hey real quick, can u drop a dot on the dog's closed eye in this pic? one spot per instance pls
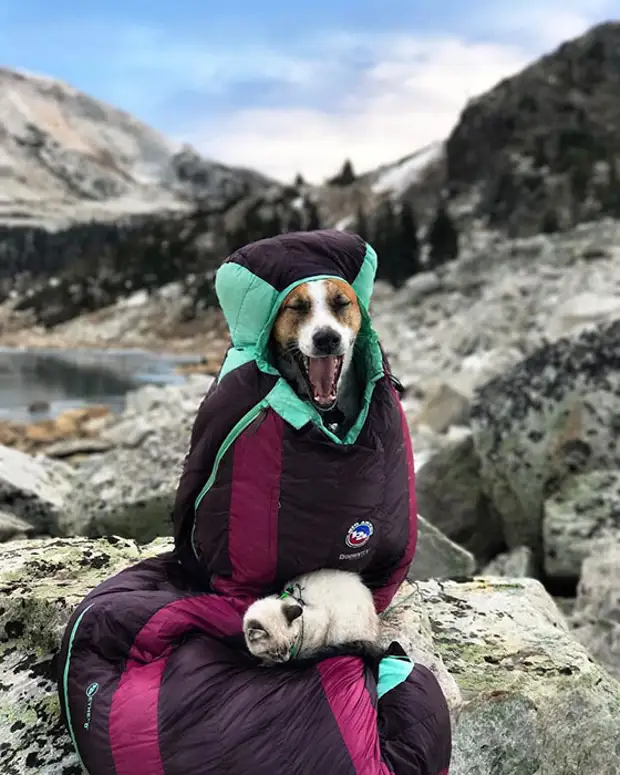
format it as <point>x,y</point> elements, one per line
<point>340,302</point>
<point>298,305</point>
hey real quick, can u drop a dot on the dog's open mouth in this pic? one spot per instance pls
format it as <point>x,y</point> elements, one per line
<point>322,376</point>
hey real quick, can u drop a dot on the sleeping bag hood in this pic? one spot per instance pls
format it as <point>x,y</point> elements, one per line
<point>268,490</point>
<point>252,284</point>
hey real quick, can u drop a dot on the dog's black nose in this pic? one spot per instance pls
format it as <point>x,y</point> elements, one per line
<point>326,341</point>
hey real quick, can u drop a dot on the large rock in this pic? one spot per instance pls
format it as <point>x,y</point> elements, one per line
<point>12,527</point>
<point>556,413</point>
<point>583,511</point>
<point>438,557</point>
<point>526,698</point>
<point>582,310</point>
<point>130,490</point>
<point>514,149</point>
<point>450,496</point>
<point>515,564</point>
<point>41,581</point>
<point>443,406</point>
<point>534,701</point>
<point>34,490</point>
<point>596,615</point>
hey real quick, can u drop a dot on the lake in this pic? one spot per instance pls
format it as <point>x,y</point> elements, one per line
<point>50,381</point>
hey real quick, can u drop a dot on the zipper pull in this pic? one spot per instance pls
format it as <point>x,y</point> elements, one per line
<point>397,384</point>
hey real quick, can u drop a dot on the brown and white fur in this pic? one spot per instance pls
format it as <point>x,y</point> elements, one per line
<point>326,610</point>
<point>313,339</point>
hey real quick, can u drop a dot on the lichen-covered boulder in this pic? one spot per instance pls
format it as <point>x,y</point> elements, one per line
<point>535,703</point>
<point>581,514</point>
<point>525,696</point>
<point>553,415</point>
<point>41,581</point>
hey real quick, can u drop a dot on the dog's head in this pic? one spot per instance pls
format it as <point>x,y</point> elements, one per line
<point>314,335</point>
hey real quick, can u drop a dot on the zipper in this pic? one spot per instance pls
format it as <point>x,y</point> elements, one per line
<point>236,431</point>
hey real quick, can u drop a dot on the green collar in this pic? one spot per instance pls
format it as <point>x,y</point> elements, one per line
<point>290,592</point>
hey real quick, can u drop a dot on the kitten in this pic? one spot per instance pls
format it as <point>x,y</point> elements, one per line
<point>319,614</point>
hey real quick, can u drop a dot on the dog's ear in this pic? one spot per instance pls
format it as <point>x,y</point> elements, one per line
<point>255,631</point>
<point>292,612</point>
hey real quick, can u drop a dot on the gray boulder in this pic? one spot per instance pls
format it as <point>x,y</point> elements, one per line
<point>533,700</point>
<point>516,564</point>
<point>130,490</point>
<point>12,527</point>
<point>596,615</point>
<point>443,407</point>
<point>583,511</point>
<point>438,557</point>
<point>450,496</point>
<point>556,413</point>
<point>34,490</point>
<point>525,696</point>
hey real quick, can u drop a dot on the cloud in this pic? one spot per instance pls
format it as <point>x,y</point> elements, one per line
<point>411,94</point>
<point>544,24</point>
<point>307,102</point>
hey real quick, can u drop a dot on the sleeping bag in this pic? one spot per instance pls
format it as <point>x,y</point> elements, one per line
<point>155,677</point>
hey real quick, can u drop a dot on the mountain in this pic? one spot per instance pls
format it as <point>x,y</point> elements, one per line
<point>65,157</point>
<point>94,203</point>
<point>540,151</point>
<point>97,206</point>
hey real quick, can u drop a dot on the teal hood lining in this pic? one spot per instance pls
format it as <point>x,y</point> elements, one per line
<point>245,297</point>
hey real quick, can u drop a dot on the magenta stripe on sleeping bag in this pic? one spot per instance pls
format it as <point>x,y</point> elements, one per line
<point>351,705</point>
<point>254,505</point>
<point>133,725</point>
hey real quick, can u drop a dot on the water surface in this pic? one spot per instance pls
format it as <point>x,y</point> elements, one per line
<point>37,384</point>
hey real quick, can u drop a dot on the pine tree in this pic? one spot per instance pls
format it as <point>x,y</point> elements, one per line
<point>314,219</point>
<point>385,242</point>
<point>550,222</point>
<point>272,225</point>
<point>295,222</point>
<point>408,248</point>
<point>442,238</point>
<point>361,224</point>
<point>610,196</point>
<point>345,177</point>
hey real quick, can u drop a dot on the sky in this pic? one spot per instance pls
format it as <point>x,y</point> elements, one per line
<point>287,86</point>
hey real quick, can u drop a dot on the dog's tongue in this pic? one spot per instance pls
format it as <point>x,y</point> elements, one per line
<point>322,375</point>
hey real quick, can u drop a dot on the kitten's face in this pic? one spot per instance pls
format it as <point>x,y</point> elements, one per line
<point>271,627</point>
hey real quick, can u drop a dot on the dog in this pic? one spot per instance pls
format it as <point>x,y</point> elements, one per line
<point>313,339</point>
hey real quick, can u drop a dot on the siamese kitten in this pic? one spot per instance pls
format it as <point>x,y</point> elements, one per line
<point>319,614</point>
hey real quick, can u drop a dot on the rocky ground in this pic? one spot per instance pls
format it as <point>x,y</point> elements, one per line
<point>500,649</point>
<point>511,363</point>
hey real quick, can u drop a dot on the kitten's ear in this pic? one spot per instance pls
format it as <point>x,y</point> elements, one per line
<point>292,612</point>
<point>255,631</point>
